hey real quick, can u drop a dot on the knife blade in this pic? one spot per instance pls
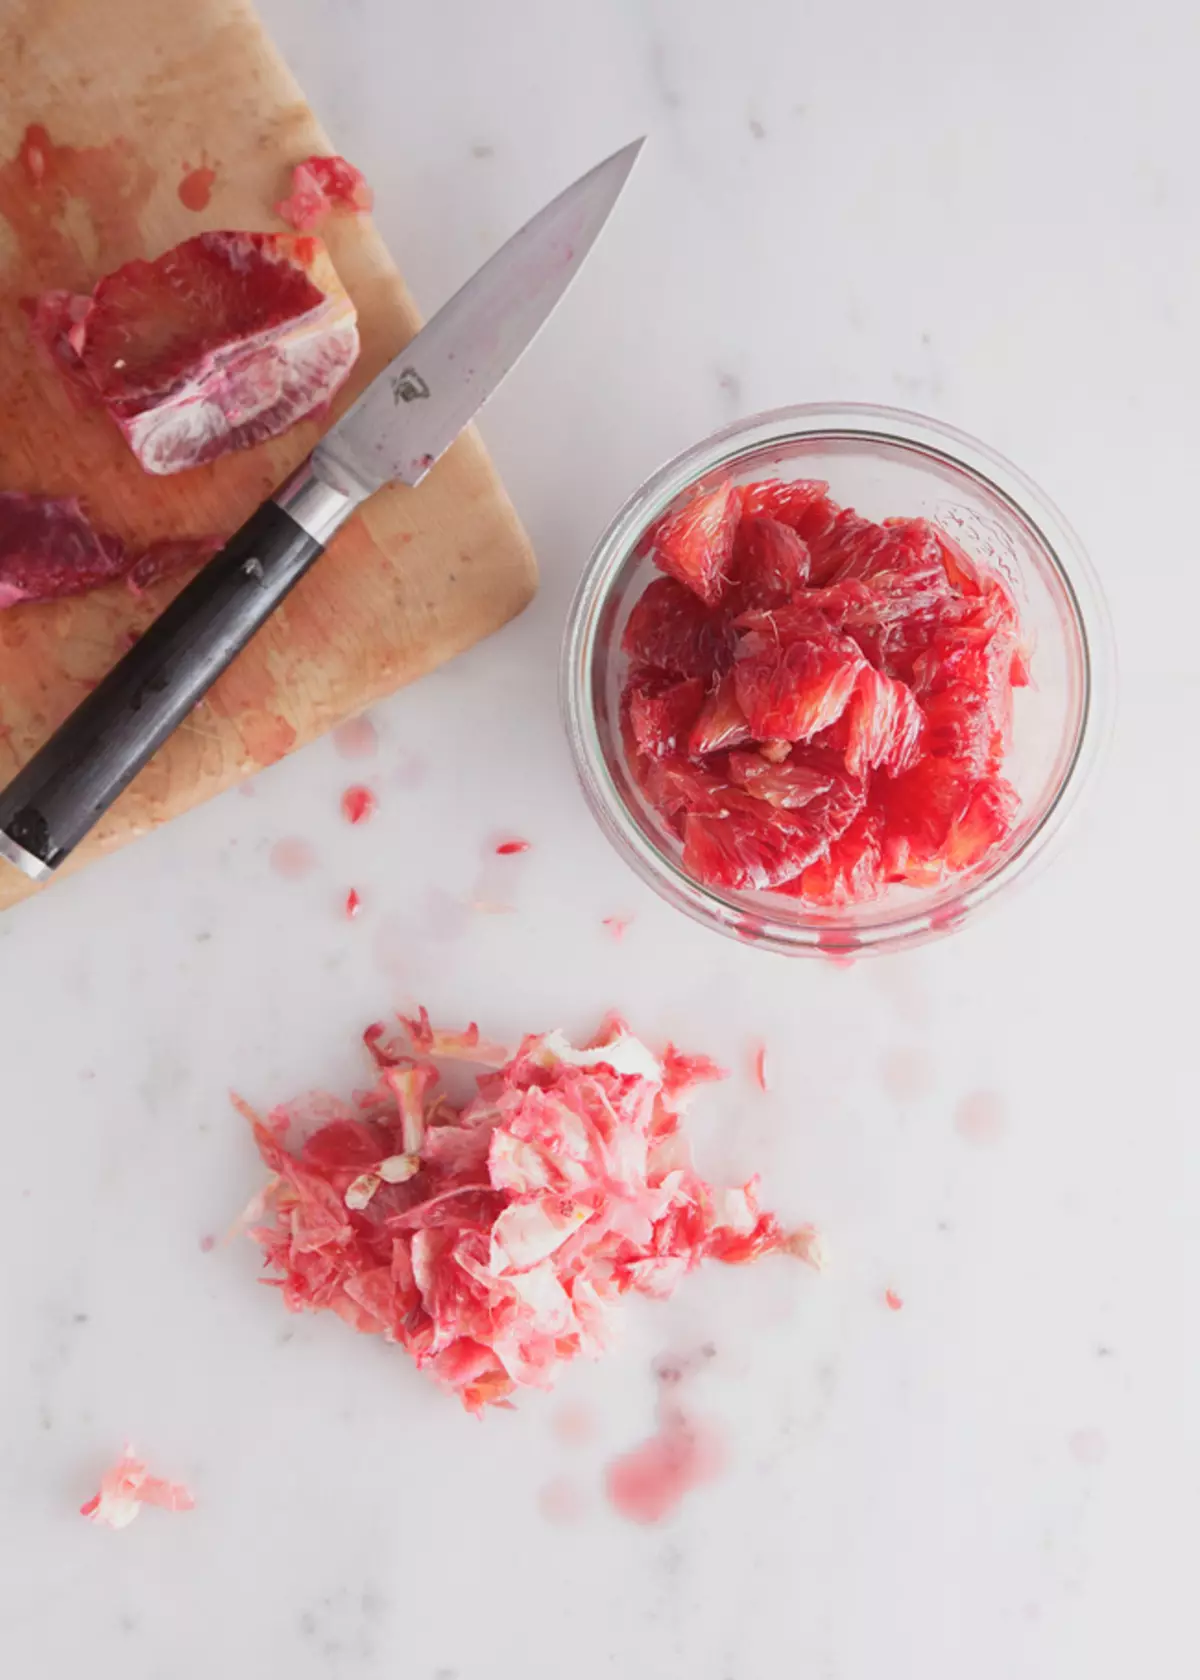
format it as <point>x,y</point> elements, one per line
<point>407,417</point>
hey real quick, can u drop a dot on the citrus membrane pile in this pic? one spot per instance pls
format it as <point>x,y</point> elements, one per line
<point>493,1241</point>
<point>818,705</point>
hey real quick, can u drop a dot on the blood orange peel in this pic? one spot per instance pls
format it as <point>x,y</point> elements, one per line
<point>50,550</point>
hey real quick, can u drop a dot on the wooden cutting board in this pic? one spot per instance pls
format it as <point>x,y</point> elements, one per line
<point>162,121</point>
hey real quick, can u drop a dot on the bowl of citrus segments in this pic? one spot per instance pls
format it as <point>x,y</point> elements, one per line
<point>834,677</point>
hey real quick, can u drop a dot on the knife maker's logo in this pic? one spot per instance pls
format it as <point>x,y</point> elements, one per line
<point>408,385</point>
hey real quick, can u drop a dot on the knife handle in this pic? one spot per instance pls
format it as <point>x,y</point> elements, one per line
<point>67,785</point>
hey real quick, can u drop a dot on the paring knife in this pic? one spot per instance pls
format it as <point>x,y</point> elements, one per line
<point>408,416</point>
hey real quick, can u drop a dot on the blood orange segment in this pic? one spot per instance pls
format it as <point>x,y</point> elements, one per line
<point>802,504</point>
<point>721,723</point>
<point>959,725</point>
<point>922,806</point>
<point>791,502</point>
<point>987,820</point>
<point>662,717</point>
<point>223,341</point>
<point>884,725</point>
<point>751,844</point>
<point>740,850</point>
<point>964,679</point>
<point>788,785</point>
<point>851,872</point>
<point>790,690</point>
<point>840,606</point>
<point>670,630</point>
<point>770,562</point>
<point>695,545</point>
<point>675,786</point>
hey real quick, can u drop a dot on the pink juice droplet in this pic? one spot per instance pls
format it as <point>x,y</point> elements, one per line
<point>648,1483</point>
<point>560,1501</point>
<point>574,1425</point>
<point>906,1074</point>
<point>195,189</point>
<point>1088,1446</point>
<point>293,858</point>
<point>980,1118</point>
<point>356,738</point>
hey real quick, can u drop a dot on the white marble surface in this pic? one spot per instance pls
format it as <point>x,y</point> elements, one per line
<point>988,213</point>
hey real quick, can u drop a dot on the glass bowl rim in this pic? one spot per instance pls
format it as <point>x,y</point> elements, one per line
<point>864,423</point>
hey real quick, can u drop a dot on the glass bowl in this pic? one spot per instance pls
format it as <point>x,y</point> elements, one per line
<point>883,462</point>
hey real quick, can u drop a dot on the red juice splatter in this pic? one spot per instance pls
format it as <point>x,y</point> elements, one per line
<point>292,858</point>
<point>648,1483</point>
<point>353,904</point>
<point>837,950</point>
<point>195,189</point>
<point>32,153</point>
<point>356,738</point>
<point>358,803</point>
<point>894,1301</point>
<point>617,926</point>
<point>108,185</point>
<point>510,848</point>
<point>207,1244</point>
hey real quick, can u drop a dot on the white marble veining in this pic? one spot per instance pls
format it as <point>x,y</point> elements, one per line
<point>989,214</point>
